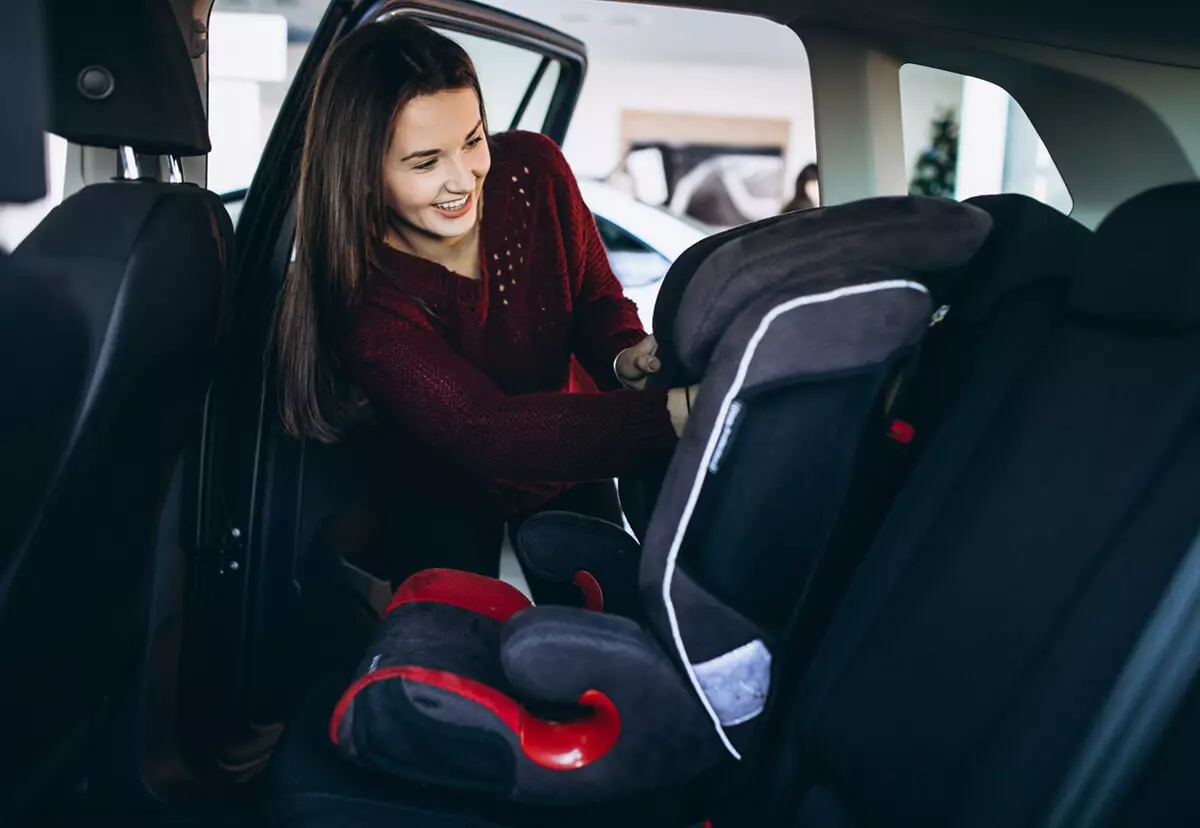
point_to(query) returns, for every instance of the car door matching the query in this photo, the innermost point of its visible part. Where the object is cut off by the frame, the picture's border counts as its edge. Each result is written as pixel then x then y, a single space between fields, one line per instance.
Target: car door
pixel 275 596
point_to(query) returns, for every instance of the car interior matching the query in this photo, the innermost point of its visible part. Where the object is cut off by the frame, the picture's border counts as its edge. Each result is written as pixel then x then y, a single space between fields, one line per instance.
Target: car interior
pixel 928 553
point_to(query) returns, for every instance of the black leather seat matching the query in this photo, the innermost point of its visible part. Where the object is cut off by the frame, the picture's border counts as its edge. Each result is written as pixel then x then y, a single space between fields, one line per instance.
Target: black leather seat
pixel 126 280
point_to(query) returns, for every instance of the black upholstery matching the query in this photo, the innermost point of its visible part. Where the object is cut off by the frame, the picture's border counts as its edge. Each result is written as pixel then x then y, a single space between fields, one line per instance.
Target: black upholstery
pixel 33 319
pixel 1027 259
pixel 1016 568
pixel 136 269
pixel 135 50
pixel 22 104
pixel 110 316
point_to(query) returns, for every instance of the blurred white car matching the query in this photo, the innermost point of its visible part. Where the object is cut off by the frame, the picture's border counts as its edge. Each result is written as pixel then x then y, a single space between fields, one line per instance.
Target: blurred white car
pixel 642 241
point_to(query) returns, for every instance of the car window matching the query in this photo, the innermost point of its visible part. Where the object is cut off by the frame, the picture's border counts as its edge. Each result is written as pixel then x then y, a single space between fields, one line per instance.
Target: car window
pixel 966 137
pixel 254 59
pixel 634 263
pixel 505 73
pixel 18 220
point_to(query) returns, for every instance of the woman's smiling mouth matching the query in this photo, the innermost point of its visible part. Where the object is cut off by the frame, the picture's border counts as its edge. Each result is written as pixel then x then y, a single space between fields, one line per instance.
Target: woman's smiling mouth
pixel 456 208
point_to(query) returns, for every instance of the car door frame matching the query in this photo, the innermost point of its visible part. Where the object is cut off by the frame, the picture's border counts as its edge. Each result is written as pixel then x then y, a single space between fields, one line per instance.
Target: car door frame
pixel 243 573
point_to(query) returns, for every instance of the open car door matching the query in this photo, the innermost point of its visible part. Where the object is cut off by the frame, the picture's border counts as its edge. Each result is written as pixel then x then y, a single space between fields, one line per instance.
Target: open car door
pixel 278 593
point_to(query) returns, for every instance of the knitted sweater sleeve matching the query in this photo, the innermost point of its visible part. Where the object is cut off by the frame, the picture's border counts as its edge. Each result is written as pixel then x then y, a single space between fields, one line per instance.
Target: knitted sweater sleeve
pixel 604 322
pixel 409 368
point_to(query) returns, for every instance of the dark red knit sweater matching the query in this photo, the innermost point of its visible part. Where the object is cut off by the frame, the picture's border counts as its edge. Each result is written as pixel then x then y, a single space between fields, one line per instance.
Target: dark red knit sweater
pixel 475 401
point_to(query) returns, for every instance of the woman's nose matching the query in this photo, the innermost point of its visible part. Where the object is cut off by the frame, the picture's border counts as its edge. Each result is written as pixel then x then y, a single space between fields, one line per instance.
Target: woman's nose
pixel 462 177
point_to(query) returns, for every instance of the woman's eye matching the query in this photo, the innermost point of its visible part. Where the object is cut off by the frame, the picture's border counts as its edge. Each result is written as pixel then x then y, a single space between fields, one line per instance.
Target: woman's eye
pixel 474 142
pixel 426 165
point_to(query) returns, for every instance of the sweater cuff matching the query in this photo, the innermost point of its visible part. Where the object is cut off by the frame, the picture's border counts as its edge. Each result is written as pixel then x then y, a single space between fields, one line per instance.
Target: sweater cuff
pixel 648 429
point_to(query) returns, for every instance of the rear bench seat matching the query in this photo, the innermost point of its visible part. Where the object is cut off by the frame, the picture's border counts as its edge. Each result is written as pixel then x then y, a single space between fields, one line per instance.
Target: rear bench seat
pixel 980 637
pixel 1013 288
pixel 1021 271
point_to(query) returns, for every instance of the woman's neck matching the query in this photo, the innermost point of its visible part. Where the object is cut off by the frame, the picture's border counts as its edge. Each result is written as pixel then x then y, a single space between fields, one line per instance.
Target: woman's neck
pixel 459 254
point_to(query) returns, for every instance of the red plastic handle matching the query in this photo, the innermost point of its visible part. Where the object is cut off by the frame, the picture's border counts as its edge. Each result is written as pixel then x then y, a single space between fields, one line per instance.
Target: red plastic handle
pixel 572 745
pixel 552 745
pixel 593 595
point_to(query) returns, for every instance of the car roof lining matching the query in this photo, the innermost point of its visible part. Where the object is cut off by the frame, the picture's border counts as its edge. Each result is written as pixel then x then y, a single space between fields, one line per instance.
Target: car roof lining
pixel 1160 31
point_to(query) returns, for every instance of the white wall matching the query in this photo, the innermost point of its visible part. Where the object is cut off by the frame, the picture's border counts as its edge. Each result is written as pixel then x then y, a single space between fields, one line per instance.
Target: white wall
pixel 593 142
pixel 924 94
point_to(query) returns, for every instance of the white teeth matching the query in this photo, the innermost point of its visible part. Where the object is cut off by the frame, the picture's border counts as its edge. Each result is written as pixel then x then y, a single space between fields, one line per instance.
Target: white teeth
pixel 453 205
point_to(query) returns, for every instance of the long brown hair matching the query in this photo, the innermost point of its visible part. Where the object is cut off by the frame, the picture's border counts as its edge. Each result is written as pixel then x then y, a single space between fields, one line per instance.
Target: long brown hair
pixel 341 212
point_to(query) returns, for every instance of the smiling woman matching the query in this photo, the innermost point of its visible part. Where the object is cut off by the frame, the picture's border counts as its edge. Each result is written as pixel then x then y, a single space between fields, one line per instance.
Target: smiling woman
pixel 433 177
pixel 456 278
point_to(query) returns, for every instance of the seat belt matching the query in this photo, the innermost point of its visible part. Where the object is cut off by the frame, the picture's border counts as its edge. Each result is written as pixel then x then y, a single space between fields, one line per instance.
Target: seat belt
pixel 1144 700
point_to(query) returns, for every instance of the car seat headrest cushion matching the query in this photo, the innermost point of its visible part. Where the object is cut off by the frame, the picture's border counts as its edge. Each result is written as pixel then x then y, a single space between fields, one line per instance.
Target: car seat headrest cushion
pixel 23 102
pixel 1144 268
pixel 121 75
pixel 815 251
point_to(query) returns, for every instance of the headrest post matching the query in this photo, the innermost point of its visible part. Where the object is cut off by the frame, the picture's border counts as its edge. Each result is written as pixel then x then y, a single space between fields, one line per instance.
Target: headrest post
pixel 127 164
pixel 174 170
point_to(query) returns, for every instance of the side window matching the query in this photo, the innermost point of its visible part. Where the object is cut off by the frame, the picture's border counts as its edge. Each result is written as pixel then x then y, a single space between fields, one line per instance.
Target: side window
pixel 254 59
pixel 634 263
pixel 965 137
pixel 18 220
pixel 507 74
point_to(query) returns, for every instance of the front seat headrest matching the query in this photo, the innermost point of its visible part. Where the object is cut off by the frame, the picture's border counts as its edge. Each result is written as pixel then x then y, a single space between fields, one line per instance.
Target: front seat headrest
pixel 1144 267
pixel 121 75
pixel 23 104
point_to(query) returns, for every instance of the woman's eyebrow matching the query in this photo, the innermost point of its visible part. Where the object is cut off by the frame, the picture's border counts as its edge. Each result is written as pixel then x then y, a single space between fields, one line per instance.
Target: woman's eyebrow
pixel 421 154
pixel 429 153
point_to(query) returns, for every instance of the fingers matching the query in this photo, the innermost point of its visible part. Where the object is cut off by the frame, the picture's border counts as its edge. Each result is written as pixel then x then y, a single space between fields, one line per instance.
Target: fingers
pixel 647 363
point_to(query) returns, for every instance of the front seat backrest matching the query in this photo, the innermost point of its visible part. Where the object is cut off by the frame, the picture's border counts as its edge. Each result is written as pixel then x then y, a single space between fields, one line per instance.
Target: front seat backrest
pixel 140 264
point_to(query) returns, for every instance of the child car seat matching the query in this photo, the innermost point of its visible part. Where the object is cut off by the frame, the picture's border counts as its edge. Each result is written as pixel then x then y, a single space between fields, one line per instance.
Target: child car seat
pixel 794 326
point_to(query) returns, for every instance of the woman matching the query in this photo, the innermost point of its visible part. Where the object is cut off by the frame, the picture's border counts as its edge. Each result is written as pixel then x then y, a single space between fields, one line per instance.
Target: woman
pixel 452 276
pixel 808 190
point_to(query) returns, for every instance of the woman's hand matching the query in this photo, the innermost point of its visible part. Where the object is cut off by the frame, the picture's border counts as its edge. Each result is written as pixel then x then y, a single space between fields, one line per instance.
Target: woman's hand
pixel 634 364
pixel 679 405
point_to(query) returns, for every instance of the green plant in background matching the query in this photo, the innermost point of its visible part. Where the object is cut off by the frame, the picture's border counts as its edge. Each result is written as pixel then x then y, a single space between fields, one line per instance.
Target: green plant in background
pixel 934 174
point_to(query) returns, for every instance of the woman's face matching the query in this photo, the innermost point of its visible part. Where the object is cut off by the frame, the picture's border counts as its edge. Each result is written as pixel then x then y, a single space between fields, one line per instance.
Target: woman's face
pixel 434 169
pixel 812 189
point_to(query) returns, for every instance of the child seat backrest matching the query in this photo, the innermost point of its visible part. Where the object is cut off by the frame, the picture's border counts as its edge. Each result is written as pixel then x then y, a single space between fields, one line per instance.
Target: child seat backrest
pixel 794 327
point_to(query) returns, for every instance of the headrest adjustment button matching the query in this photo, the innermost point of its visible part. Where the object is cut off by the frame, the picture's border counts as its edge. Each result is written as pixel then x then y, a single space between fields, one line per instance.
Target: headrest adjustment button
pixel 95 83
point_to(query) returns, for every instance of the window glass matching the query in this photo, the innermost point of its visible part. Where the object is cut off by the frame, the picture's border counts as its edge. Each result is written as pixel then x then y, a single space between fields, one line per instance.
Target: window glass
pixel 634 263
pixel 505 72
pixel 965 137
pixel 254 59
pixel 17 220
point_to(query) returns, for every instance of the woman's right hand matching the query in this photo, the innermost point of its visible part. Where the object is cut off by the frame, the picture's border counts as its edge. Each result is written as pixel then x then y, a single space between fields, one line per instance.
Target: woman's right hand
pixel 680 402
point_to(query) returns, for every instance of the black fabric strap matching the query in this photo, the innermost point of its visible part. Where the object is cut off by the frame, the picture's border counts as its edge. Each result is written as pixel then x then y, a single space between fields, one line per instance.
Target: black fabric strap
pixel 1145 698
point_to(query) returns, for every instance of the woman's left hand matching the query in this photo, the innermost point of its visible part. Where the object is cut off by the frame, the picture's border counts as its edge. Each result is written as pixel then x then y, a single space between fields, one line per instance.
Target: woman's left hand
pixel 634 364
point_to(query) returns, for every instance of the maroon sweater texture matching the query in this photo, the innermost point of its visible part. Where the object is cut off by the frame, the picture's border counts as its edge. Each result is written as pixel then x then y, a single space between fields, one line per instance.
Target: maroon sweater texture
pixel 475 390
